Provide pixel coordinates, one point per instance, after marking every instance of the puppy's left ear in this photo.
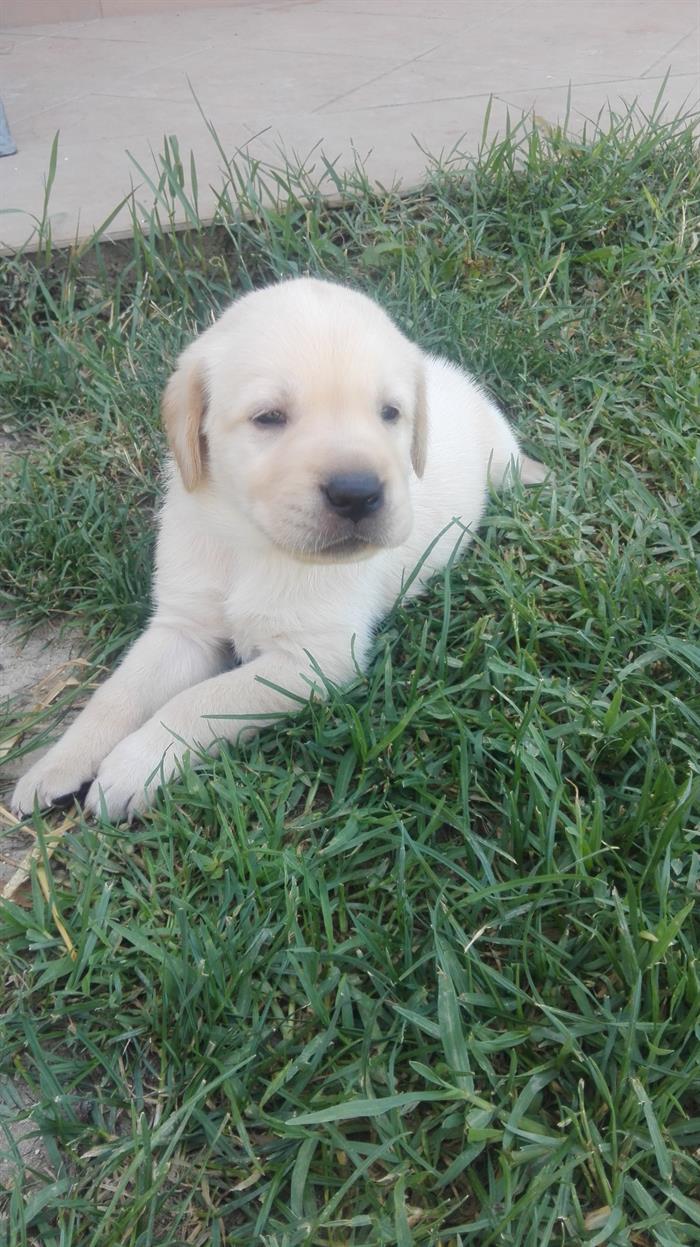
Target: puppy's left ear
(183, 407)
(419, 445)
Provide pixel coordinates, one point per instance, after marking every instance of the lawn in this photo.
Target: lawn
(419, 966)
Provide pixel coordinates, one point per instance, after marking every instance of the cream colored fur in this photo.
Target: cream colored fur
(249, 554)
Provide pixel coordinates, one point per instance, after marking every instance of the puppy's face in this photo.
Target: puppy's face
(303, 407)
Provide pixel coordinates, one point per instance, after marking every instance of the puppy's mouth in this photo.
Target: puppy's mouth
(344, 550)
(324, 539)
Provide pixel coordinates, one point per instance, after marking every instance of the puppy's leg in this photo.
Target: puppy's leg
(245, 699)
(532, 472)
(160, 664)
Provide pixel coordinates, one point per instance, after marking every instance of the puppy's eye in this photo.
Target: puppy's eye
(390, 414)
(270, 419)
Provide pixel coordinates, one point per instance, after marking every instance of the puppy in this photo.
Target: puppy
(316, 455)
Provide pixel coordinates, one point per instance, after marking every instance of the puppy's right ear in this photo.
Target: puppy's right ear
(419, 445)
(183, 407)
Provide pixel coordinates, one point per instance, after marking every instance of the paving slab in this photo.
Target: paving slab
(378, 79)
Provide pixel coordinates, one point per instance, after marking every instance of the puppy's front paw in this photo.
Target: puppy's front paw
(55, 776)
(130, 776)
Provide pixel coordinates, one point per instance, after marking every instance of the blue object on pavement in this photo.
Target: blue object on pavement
(8, 146)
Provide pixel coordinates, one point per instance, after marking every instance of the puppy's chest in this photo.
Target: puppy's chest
(301, 607)
(260, 612)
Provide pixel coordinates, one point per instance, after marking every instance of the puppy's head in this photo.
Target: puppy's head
(304, 408)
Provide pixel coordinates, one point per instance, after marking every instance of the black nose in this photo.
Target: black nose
(354, 494)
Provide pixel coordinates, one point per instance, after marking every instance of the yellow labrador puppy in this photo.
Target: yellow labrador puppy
(316, 455)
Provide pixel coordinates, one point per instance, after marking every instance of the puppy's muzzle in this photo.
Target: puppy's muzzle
(354, 495)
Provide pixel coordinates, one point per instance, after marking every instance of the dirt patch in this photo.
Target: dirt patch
(11, 445)
(23, 1154)
(33, 672)
(30, 661)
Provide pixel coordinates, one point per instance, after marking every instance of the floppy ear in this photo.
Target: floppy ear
(419, 445)
(183, 406)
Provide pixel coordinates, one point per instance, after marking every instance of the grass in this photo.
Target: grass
(419, 966)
